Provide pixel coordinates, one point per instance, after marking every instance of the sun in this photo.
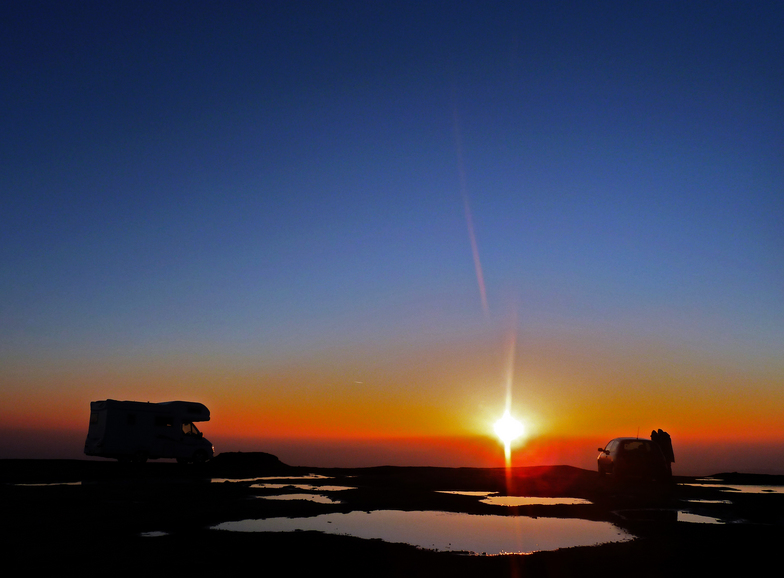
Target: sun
(508, 429)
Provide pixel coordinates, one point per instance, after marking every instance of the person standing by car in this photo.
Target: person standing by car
(664, 441)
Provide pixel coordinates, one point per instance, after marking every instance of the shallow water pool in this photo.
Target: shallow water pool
(449, 531)
(317, 498)
(304, 487)
(267, 478)
(495, 500)
(741, 489)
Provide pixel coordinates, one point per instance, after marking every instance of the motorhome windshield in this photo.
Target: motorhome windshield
(189, 429)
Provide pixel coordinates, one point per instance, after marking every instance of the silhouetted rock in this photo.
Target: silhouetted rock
(250, 463)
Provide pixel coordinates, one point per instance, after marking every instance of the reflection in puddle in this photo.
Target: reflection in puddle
(493, 500)
(306, 477)
(305, 487)
(461, 493)
(447, 531)
(742, 489)
(528, 501)
(153, 534)
(684, 516)
(308, 497)
(665, 515)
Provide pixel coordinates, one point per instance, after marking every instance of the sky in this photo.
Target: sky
(358, 231)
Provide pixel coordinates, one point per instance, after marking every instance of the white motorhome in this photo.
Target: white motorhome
(135, 430)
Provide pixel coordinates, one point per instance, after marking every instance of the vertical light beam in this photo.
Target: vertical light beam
(469, 220)
(511, 362)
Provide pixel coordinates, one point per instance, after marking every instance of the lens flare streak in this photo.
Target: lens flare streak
(469, 219)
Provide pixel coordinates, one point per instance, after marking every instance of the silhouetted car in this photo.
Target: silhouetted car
(633, 458)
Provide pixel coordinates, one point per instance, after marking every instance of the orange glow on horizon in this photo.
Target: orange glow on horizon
(453, 391)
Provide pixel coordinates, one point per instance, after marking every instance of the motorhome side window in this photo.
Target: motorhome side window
(164, 421)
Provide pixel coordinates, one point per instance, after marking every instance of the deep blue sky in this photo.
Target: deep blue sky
(269, 180)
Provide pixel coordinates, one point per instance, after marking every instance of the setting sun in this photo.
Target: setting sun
(508, 429)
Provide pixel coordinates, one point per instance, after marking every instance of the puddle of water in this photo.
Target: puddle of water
(742, 489)
(665, 515)
(494, 500)
(529, 501)
(684, 516)
(461, 493)
(306, 477)
(448, 531)
(305, 487)
(308, 497)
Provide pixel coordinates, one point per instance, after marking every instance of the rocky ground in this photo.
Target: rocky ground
(93, 515)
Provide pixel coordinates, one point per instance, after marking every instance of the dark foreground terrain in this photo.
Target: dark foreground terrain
(92, 516)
